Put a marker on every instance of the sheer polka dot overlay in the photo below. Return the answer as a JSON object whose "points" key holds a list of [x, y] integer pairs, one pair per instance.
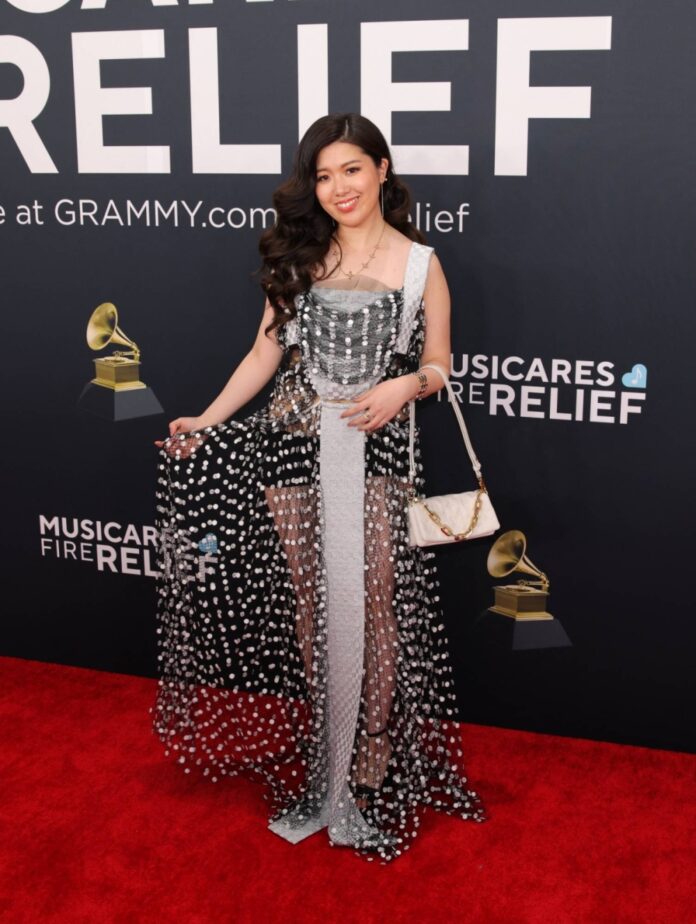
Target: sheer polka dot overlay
{"points": [[243, 618]]}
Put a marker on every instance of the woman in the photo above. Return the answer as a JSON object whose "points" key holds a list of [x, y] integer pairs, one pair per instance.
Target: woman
{"points": [[301, 637]]}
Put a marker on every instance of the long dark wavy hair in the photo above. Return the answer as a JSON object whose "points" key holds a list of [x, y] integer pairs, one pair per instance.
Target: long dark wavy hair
{"points": [[299, 240]]}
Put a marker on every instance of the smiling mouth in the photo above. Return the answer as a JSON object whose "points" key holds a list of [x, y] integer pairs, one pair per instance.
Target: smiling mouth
{"points": [[347, 203]]}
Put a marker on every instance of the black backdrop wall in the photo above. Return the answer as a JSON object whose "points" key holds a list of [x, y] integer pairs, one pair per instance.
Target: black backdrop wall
{"points": [[549, 149]]}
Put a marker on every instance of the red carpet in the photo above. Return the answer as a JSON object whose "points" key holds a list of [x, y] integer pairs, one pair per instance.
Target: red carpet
{"points": [[97, 826]]}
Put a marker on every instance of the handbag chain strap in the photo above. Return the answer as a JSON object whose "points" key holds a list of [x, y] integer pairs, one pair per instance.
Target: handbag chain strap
{"points": [[447, 530], [476, 465]]}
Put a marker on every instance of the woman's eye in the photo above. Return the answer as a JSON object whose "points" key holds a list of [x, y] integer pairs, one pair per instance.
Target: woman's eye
{"points": [[325, 177]]}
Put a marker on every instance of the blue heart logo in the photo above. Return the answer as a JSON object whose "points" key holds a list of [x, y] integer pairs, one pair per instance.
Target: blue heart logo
{"points": [[637, 377], [208, 544]]}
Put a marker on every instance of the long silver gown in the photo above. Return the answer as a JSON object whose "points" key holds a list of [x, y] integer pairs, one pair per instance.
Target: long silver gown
{"points": [[300, 636]]}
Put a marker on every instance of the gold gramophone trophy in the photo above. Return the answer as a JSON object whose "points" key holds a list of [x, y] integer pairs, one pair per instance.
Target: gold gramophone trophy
{"points": [[524, 601], [116, 391]]}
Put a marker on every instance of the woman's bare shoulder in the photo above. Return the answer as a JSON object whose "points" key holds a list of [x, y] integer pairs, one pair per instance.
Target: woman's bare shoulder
{"points": [[399, 239]]}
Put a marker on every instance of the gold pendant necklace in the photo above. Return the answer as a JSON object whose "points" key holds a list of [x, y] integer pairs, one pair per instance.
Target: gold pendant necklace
{"points": [[350, 273]]}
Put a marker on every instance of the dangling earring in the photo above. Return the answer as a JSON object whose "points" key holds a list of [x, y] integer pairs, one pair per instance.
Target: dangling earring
{"points": [[381, 190]]}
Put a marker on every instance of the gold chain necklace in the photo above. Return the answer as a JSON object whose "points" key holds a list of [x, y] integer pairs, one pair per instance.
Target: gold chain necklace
{"points": [[350, 273]]}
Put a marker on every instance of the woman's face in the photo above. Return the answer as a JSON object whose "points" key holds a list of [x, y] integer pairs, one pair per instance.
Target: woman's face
{"points": [[348, 182]]}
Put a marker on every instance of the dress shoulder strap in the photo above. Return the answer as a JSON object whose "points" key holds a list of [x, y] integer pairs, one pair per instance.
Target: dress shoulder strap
{"points": [[414, 285]]}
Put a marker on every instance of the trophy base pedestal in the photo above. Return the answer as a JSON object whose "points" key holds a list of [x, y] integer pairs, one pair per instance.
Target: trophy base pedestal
{"points": [[532, 616], [118, 404], [524, 634]]}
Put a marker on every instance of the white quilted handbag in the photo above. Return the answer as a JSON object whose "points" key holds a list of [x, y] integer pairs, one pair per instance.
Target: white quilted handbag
{"points": [[448, 517]]}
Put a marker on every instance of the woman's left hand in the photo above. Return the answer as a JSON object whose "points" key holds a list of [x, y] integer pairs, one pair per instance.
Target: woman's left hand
{"points": [[382, 402]]}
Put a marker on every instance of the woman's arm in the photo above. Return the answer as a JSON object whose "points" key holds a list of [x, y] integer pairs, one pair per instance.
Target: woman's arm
{"points": [[437, 347], [253, 372]]}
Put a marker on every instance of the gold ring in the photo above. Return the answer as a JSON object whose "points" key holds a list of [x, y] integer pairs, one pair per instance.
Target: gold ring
{"points": [[366, 415]]}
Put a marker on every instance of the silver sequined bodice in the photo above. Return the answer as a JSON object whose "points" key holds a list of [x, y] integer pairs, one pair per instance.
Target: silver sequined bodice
{"points": [[347, 337]]}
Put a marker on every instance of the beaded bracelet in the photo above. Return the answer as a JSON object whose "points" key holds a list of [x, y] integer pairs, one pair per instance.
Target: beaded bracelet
{"points": [[423, 383]]}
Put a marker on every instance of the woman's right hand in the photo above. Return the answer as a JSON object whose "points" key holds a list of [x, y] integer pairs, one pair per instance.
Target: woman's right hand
{"points": [[181, 425]]}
